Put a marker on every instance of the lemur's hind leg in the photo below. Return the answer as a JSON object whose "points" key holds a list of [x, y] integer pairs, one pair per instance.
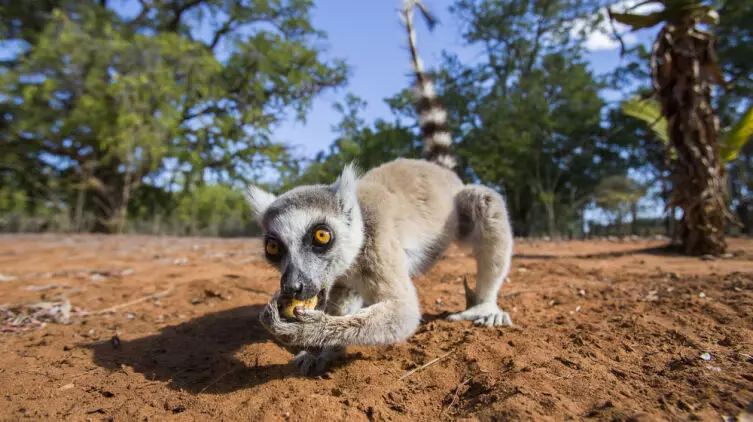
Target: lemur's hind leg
{"points": [[343, 300], [483, 223]]}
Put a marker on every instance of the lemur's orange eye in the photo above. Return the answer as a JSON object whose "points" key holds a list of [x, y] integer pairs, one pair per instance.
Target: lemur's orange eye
{"points": [[272, 248], [322, 236]]}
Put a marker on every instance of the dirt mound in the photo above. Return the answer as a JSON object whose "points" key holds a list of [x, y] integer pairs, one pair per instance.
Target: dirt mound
{"points": [[167, 328]]}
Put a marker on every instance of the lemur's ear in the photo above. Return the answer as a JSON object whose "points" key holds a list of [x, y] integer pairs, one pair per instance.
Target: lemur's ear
{"points": [[345, 187], [260, 200]]}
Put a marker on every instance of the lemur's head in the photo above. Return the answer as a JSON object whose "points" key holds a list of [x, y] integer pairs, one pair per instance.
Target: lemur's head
{"points": [[312, 234]]}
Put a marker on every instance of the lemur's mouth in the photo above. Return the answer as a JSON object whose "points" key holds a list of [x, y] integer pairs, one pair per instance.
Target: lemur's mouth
{"points": [[289, 306], [321, 301]]}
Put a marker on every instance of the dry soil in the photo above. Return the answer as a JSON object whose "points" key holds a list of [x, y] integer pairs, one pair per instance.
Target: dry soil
{"points": [[603, 331]]}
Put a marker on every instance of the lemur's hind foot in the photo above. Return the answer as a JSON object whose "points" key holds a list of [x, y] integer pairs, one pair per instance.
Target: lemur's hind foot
{"points": [[482, 314], [484, 224], [313, 363]]}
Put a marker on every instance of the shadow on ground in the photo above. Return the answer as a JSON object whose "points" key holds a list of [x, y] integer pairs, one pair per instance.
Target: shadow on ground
{"points": [[198, 355]]}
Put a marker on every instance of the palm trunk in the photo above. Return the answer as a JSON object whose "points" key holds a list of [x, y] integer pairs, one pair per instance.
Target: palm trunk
{"points": [[681, 59]]}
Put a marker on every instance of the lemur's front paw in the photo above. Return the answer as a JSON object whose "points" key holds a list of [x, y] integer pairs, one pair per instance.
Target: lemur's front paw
{"points": [[312, 364], [308, 316], [270, 319], [485, 314], [304, 331]]}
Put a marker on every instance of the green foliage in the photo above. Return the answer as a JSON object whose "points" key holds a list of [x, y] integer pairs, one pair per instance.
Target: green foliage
{"points": [[515, 112], [650, 112], [735, 139], [107, 102], [730, 144], [617, 193], [357, 143], [217, 208]]}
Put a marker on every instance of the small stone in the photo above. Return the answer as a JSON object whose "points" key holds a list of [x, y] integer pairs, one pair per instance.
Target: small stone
{"points": [[702, 295], [706, 356], [4, 278]]}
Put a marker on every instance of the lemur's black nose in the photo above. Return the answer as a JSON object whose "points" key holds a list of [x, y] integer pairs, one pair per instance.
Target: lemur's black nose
{"points": [[292, 288], [294, 283]]}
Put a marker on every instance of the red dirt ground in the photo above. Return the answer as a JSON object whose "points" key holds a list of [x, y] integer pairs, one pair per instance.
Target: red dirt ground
{"points": [[603, 331]]}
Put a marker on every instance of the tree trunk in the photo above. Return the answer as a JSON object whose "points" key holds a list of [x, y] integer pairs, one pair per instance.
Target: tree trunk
{"points": [[78, 219], [108, 193], [634, 216], [681, 61], [668, 210], [745, 217], [550, 220]]}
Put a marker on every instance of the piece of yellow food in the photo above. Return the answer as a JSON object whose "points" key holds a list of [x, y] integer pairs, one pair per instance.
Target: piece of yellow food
{"points": [[287, 311]]}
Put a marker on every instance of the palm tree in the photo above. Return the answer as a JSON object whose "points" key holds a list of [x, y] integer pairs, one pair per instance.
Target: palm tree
{"points": [[684, 69]]}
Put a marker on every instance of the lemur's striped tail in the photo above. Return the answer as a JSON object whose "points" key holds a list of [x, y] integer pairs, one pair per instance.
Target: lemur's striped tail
{"points": [[432, 117]]}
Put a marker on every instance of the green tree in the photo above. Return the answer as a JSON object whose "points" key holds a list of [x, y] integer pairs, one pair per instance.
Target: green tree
{"points": [[106, 102], [619, 196], [356, 142], [528, 116], [735, 48]]}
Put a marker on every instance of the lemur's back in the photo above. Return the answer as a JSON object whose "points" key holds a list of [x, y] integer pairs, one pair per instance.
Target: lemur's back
{"points": [[413, 202]]}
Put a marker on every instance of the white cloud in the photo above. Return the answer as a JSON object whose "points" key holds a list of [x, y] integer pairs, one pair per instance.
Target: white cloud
{"points": [[602, 38]]}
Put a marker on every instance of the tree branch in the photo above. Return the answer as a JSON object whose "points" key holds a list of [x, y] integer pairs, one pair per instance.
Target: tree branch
{"points": [[226, 27], [145, 8], [175, 23]]}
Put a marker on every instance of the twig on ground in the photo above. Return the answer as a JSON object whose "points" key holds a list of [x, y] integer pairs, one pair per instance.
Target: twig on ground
{"points": [[83, 373], [132, 302], [455, 395], [216, 380], [426, 365], [47, 287]]}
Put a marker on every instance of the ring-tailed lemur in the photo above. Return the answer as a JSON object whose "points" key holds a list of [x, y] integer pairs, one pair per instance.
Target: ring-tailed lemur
{"points": [[356, 244]]}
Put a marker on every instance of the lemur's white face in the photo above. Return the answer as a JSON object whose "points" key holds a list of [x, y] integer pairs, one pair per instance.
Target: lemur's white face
{"points": [[312, 234]]}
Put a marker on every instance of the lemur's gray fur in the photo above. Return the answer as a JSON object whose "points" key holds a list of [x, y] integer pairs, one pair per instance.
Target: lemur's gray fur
{"points": [[386, 226]]}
